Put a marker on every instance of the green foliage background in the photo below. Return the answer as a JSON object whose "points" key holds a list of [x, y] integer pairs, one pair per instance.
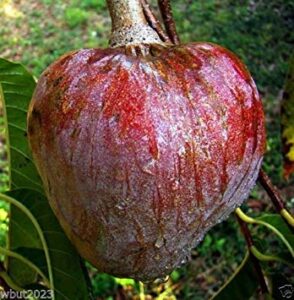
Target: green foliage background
{"points": [[261, 32]]}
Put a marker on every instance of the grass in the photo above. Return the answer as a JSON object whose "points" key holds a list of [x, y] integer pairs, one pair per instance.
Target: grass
{"points": [[40, 31]]}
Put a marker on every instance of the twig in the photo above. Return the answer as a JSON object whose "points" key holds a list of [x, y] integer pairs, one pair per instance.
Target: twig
{"points": [[168, 20], [153, 21], [271, 190], [250, 244], [275, 196]]}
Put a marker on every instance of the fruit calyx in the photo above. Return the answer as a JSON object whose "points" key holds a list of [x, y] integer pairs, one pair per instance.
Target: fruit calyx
{"points": [[130, 27]]}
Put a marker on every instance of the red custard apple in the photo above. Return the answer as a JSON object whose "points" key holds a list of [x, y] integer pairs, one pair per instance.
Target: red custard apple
{"points": [[144, 146]]}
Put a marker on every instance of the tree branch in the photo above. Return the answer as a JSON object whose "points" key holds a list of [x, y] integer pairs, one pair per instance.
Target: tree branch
{"points": [[153, 21], [168, 20], [271, 190], [275, 197]]}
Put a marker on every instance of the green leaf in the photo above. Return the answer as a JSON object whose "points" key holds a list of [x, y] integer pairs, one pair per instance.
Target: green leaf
{"points": [[16, 89], [241, 285], [18, 86], [68, 277], [278, 222]]}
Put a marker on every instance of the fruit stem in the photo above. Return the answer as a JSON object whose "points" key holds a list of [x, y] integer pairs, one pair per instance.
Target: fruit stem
{"points": [[129, 24]]}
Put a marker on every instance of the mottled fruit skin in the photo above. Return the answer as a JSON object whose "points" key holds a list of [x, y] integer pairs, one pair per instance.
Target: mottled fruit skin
{"points": [[140, 156]]}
